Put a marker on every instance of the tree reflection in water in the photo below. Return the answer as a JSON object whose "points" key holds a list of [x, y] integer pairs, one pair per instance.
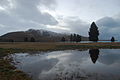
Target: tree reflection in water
{"points": [[94, 54]]}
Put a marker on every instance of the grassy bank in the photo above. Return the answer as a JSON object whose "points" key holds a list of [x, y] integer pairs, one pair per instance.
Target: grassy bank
{"points": [[9, 72]]}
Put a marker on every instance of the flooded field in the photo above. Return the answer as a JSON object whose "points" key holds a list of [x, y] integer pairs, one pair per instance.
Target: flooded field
{"points": [[93, 64]]}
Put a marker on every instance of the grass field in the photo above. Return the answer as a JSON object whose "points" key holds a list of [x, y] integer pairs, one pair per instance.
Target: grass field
{"points": [[8, 72], [57, 45]]}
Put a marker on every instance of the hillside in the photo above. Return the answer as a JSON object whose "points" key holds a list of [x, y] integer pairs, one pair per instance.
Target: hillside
{"points": [[38, 35]]}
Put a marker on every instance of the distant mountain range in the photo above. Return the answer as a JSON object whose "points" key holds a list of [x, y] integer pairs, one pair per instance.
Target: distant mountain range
{"points": [[38, 35]]}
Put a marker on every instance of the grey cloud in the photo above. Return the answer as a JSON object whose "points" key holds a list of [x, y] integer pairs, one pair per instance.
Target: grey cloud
{"points": [[28, 10], [109, 26], [71, 24], [49, 3], [6, 4], [108, 22], [3, 2], [77, 25], [25, 14]]}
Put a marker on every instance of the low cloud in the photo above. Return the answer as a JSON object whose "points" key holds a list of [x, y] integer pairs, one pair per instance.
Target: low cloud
{"points": [[109, 26], [74, 25], [108, 22]]}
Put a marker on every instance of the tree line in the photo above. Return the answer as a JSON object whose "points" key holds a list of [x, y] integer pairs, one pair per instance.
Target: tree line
{"points": [[93, 35], [26, 39], [73, 38]]}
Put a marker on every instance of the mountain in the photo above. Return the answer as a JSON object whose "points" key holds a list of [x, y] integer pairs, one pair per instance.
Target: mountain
{"points": [[38, 35]]}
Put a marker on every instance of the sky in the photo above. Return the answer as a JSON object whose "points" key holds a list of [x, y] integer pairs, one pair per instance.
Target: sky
{"points": [[62, 16]]}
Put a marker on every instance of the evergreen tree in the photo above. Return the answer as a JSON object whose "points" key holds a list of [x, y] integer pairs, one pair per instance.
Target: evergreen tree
{"points": [[78, 38], [25, 39], [71, 37], [112, 39], [11, 40], [63, 39], [94, 32], [32, 39], [74, 37]]}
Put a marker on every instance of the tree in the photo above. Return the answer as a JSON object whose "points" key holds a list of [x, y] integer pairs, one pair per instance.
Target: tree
{"points": [[112, 39], [25, 39], [32, 39], [71, 37], [11, 40], [74, 37], [63, 39], [94, 32], [78, 38]]}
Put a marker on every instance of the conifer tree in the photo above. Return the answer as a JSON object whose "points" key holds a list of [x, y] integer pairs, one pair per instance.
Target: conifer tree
{"points": [[32, 39], [63, 39], [71, 38], [94, 32], [112, 39]]}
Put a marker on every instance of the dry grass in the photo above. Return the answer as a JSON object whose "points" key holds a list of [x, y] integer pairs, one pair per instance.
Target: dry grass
{"points": [[9, 72], [22, 45], [56, 45]]}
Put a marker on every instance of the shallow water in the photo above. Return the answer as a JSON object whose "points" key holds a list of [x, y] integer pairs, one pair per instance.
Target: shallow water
{"points": [[94, 64]]}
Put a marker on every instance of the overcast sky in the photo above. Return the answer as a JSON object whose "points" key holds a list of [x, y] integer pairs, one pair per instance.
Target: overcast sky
{"points": [[61, 16]]}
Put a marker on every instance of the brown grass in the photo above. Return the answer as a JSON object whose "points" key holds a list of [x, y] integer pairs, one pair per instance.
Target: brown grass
{"points": [[9, 72], [54, 45]]}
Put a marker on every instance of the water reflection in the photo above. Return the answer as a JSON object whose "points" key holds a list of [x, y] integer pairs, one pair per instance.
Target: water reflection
{"points": [[71, 64], [94, 54]]}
